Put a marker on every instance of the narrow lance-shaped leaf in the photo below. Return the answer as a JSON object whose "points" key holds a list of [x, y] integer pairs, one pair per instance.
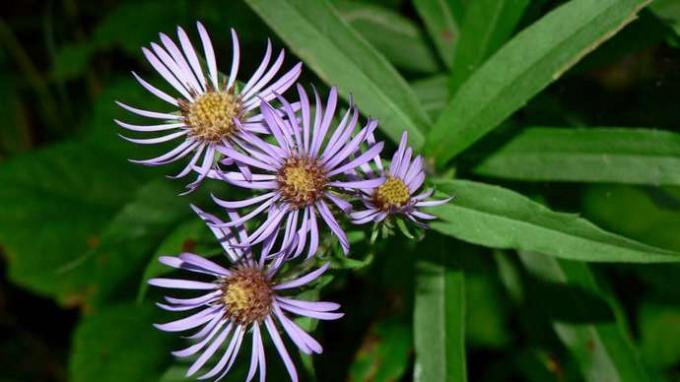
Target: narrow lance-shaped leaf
{"points": [[596, 333], [439, 313], [612, 155], [441, 23], [398, 38], [340, 56], [529, 62], [496, 217], [432, 93], [487, 25]]}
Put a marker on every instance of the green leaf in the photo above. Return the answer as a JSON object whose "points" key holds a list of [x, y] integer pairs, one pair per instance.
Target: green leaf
{"points": [[669, 11], [660, 332], [439, 313], [192, 235], [488, 24], [496, 217], [432, 93], [119, 344], [595, 331], [71, 61], [384, 354], [636, 156], [529, 62], [56, 202], [398, 38], [442, 26], [132, 236], [340, 56]]}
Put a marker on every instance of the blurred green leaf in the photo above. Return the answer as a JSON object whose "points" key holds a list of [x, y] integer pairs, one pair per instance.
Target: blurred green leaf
{"points": [[638, 156], [660, 332], [529, 62], [485, 318], [340, 56], [185, 237], [496, 217], [132, 25], [132, 236], [384, 353], [488, 24], [56, 202], [442, 25], [398, 38], [596, 333], [432, 93], [71, 61], [439, 313], [119, 344], [668, 11]]}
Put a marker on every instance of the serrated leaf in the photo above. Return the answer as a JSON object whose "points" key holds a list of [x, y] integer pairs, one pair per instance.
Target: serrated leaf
{"points": [[439, 313], [612, 155], [500, 218], [534, 58], [314, 30]]}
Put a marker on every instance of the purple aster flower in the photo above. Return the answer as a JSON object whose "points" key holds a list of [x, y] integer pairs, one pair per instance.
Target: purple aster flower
{"points": [[208, 113], [242, 300], [395, 193], [303, 171]]}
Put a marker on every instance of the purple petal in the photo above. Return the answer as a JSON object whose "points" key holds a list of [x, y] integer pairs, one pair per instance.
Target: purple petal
{"points": [[152, 141], [205, 356], [190, 53], [319, 306], [209, 53], [274, 334], [260, 69], [182, 284], [311, 313], [195, 348], [235, 59], [333, 225], [190, 322], [363, 158], [150, 128], [149, 114], [303, 280], [155, 91]]}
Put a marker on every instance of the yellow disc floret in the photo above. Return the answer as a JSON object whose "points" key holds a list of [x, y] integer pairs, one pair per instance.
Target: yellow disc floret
{"points": [[392, 194], [247, 296], [210, 116], [302, 181]]}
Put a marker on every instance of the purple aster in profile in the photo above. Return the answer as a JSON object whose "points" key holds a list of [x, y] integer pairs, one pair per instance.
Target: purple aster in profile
{"points": [[245, 299], [304, 172], [208, 113], [396, 193]]}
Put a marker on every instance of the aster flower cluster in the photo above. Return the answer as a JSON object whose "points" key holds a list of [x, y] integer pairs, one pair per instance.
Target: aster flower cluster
{"points": [[309, 168]]}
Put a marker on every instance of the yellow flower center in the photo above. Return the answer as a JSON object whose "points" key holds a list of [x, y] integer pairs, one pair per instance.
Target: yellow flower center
{"points": [[392, 194], [301, 181], [247, 296], [210, 117]]}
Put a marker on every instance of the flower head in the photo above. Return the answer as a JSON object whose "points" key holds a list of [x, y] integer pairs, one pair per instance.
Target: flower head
{"points": [[303, 172], [208, 114], [396, 194], [239, 301]]}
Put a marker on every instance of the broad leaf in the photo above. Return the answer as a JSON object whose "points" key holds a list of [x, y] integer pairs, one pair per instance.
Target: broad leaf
{"points": [[384, 354], [488, 24], [529, 62], [119, 344], [65, 196], [668, 11], [500, 218], [340, 56], [595, 329], [442, 25], [614, 155], [439, 313], [398, 38]]}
